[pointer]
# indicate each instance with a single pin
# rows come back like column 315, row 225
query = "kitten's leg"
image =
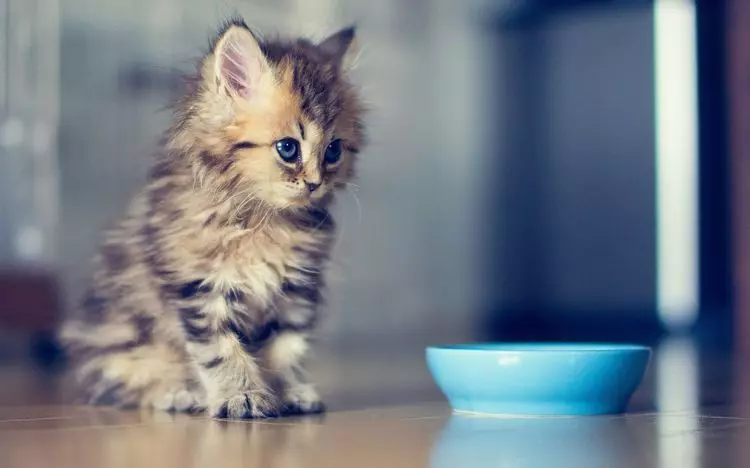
column 300, row 397
column 284, row 355
column 233, row 381
column 159, row 384
column 119, row 365
column 299, row 314
column 181, row 396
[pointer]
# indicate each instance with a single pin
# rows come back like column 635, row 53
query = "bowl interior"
column 542, row 347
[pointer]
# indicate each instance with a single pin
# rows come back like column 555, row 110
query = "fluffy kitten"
column 204, row 294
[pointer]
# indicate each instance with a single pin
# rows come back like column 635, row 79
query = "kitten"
column 204, row 294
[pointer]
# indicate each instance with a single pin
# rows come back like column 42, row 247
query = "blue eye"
column 333, row 152
column 288, row 149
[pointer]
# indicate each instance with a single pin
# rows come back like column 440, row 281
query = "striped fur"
column 204, row 294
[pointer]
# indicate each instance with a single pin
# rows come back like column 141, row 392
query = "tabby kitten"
column 204, row 294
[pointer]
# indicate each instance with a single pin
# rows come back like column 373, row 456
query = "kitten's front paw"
column 179, row 400
column 247, row 405
column 302, row 399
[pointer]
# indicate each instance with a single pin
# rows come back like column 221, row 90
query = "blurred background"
column 538, row 169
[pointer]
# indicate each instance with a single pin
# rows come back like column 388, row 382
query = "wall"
column 406, row 261
column 574, row 229
column 507, row 170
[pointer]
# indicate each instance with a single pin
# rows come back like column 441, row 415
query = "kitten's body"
column 205, row 293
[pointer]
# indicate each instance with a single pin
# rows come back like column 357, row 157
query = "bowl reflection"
column 560, row 442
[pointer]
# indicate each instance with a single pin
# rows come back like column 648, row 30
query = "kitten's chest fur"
column 260, row 265
column 263, row 270
column 250, row 269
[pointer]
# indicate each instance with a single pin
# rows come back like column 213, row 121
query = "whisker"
column 322, row 221
column 243, row 204
column 341, row 232
column 359, row 205
column 264, row 220
column 260, row 219
column 339, row 237
column 355, row 61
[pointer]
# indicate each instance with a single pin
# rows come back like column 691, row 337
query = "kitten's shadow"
column 282, row 442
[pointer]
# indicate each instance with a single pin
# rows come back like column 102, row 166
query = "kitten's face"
column 279, row 121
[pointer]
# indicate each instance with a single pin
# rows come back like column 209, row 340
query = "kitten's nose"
column 312, row 186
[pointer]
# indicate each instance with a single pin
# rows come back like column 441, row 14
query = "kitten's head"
column 275, row 120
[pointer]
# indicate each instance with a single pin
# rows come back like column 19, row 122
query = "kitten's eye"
column 333, row 152
column 288, row 149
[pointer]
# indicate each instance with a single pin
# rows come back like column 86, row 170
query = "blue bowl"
column 538, row 379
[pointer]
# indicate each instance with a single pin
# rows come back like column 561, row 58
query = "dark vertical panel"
column 713, row 166
column 739, row 101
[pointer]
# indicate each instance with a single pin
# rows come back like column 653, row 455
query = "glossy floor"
column 692, row 411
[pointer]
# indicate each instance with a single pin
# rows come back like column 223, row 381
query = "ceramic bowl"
column 538, row 378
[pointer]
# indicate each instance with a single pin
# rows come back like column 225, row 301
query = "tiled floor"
column 692, row 411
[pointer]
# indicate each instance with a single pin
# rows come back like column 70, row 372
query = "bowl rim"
column 541, row 347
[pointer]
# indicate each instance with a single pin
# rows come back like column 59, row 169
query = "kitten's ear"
column 240, row 64
column 339, row 46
